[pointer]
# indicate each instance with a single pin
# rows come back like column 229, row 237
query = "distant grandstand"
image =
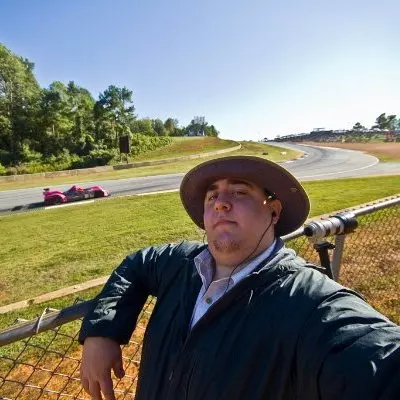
column 323, row 135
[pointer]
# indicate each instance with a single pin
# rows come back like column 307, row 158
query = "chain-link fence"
column 40, row 359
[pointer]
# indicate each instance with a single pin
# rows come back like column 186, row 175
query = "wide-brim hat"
column 264, row 173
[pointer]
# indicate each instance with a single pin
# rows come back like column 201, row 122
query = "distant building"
column 195, row 133
column 197, row 127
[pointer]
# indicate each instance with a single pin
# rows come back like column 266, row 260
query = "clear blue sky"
column 254, row 68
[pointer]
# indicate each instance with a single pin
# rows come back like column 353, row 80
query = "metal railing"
column 40, row 359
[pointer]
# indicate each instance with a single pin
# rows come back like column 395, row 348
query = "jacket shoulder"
column 189, row 249
column 184, row 249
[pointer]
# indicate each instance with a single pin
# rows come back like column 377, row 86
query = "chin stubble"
column 226, row 246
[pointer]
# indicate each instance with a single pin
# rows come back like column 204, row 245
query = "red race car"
column 75, row 193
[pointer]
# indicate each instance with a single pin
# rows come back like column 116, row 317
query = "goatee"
column 225, row 245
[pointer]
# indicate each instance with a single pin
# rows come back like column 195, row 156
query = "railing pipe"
column 51, row 319
column 48, row 320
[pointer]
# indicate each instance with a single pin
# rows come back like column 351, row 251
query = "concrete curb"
column 95, row 170
column 79, row 287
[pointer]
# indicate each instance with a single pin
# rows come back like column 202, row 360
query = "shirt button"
column 209, row 300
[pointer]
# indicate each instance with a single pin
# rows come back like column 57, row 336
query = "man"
column 242, row 317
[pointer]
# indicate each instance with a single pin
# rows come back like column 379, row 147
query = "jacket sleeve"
column 117, row 307
column 347, row 350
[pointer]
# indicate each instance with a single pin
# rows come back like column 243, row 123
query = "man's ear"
column 276, row 208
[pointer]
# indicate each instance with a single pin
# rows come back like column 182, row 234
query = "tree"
column 19, row 97
column 56, row 118
column 358, row 127
column 392, row 122
column 179, row 131
column 114, row 113
column 171, row 125
column 81, row 105
column 196, row 127
column 143, row 127
column 199, row 127
column 158, row 127
column 211, row 131
column 384, row 122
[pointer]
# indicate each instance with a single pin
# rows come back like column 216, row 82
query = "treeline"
column 63, row 126
column 386, row 128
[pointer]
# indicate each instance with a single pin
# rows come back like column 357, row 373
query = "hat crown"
column 262, row 172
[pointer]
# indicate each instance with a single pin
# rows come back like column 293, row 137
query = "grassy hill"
column 179, row 148
column 184, row 146
column 41, row 247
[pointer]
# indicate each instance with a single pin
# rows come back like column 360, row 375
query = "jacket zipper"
column 189, row 381
column 226, row 298
column 204, row 318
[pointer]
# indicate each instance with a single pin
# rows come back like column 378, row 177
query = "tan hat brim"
column 264, row 173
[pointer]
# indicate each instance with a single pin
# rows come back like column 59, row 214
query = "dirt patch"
column 53, row 375
column 47, row 368
column 385, row 150
column 371, row 260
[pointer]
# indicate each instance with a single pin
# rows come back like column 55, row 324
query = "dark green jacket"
column 284, row 332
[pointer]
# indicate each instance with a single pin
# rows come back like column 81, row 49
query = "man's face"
column 236, row 215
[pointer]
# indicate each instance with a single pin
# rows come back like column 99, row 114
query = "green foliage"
column 114, row 112
column 178, row 148
column 3, row 169
column 158, row 127
column 62, row 161
column 63, row 126
column 178, row 132
column 19, row 96
column 211, row 131
column 5, row 157
column 172, row 128
column 31, row 168
column 66, row 119
column 73, row 255
column 30, row 156
column 358, row 127
column 196, row 128
column 96, row 157
column 142, row 126
column 141, row 144
column 384, row 122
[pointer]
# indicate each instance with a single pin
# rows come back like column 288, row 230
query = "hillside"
column 386, row 152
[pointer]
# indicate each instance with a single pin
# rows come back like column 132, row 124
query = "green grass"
column 186, row 146
column 384, row 158
column 10, row 318
column 336, row 194
column 380, row 154
column 248, row 148
column 35, row 259
column 49, row 249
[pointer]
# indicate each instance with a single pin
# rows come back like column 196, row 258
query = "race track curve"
column 317, row 163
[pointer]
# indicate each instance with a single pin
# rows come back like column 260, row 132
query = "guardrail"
column 106, row 168
column 40, row 359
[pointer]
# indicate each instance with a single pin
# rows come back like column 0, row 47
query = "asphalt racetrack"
column 318, row 163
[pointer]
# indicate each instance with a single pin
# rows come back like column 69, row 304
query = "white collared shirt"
column 211, row 290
